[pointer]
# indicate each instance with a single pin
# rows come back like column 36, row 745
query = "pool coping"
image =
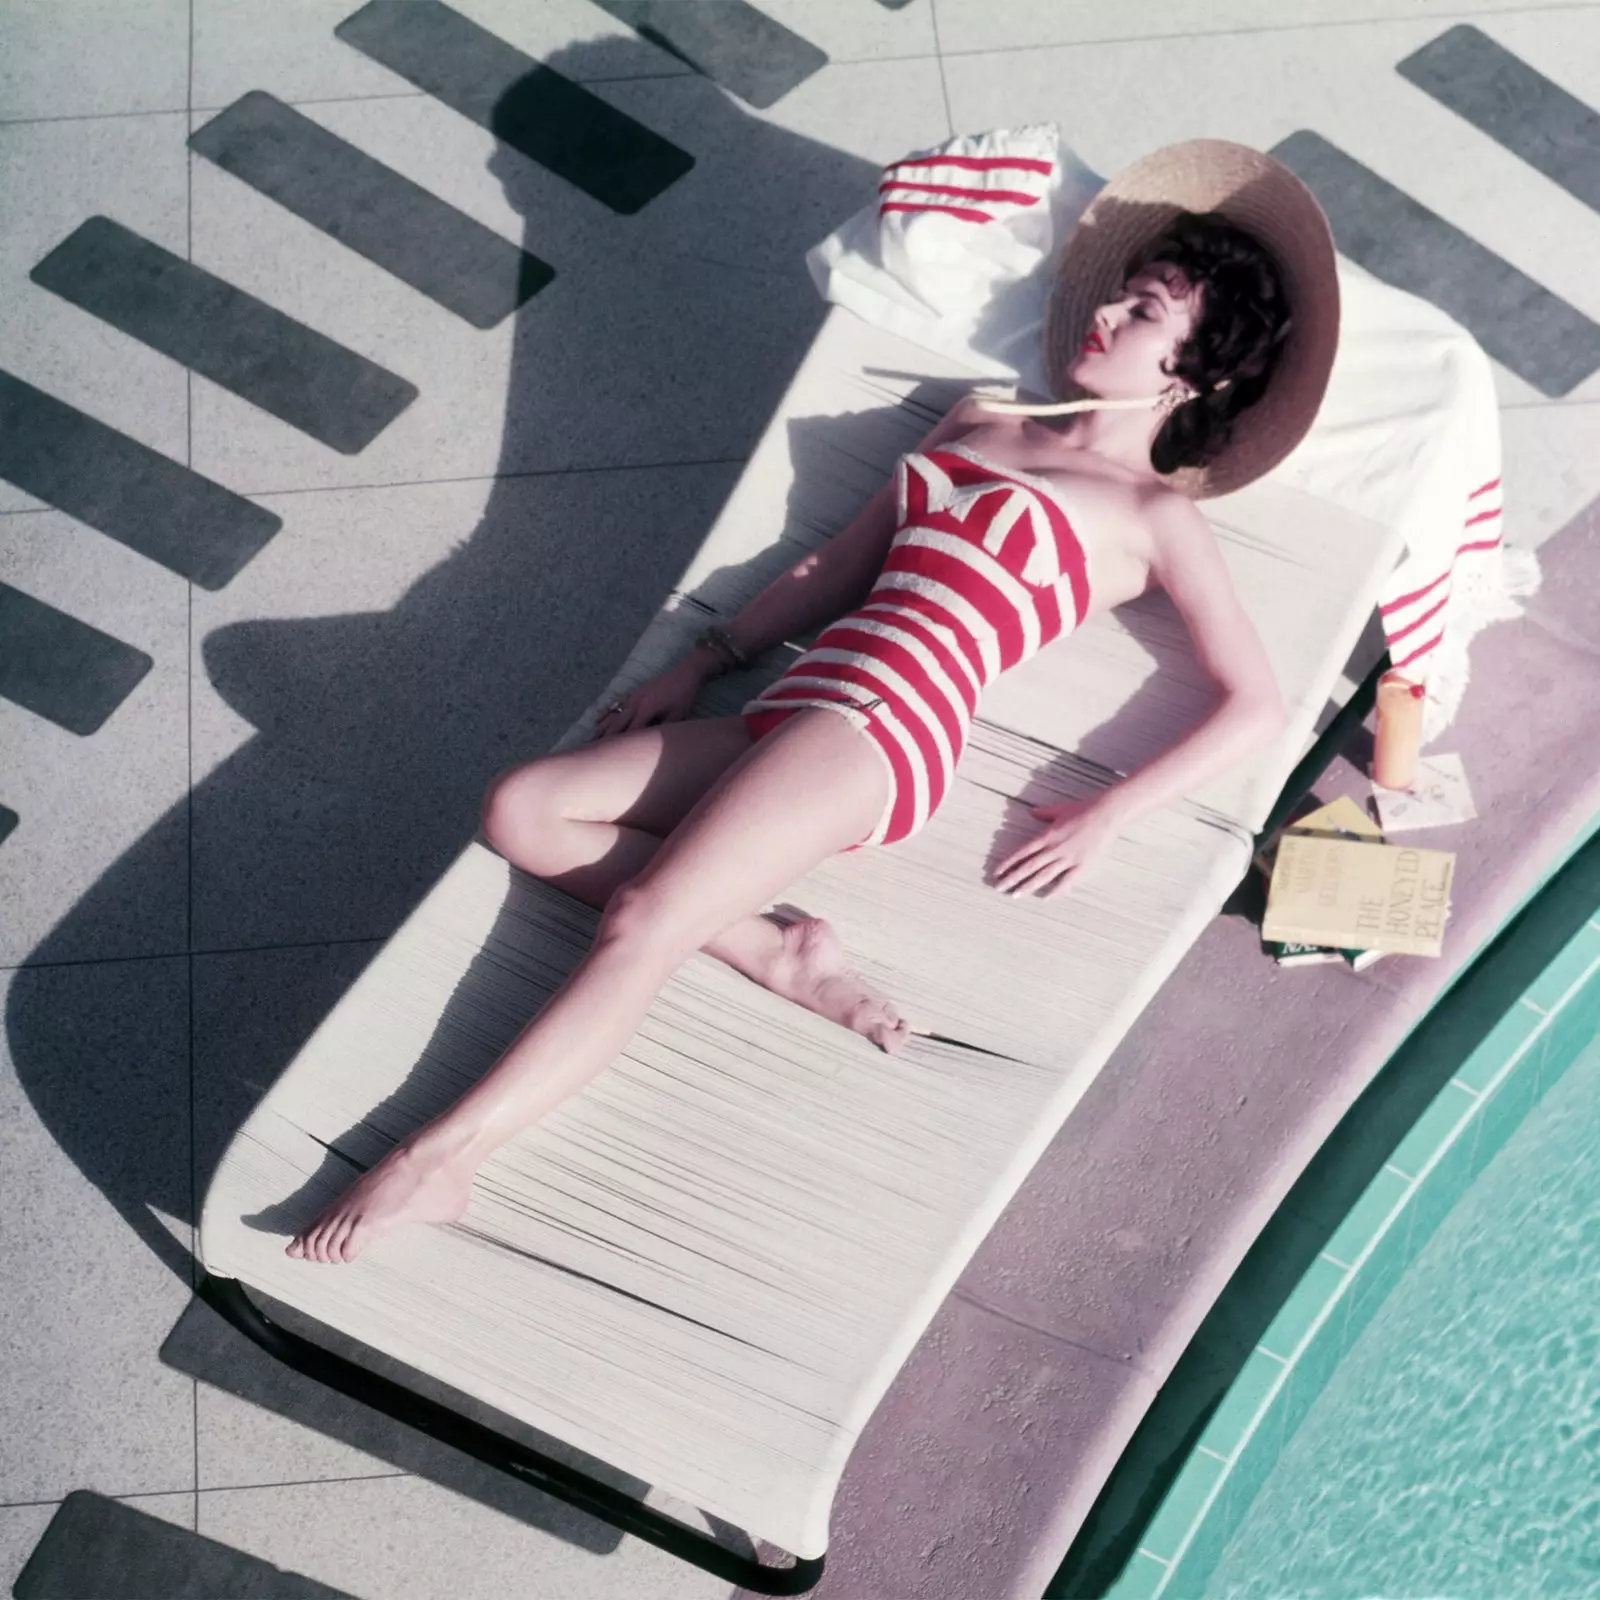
column 1541, row 1032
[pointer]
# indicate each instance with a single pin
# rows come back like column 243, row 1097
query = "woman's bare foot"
column 812, row 971
column 418, row 1181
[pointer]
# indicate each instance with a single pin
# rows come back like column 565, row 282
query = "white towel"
column 955, row 254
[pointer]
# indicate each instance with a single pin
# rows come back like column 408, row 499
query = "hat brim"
column 1255, row 193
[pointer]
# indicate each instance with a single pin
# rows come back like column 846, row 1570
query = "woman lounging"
column 1003, row 530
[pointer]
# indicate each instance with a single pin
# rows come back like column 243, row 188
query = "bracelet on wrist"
column 721, row 643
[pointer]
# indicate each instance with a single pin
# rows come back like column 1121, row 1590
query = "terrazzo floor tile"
column 94, row 1172
column 667, row 335
column 21, row 1527
column 98, row 865
column 1551, row 470
column 849, row 31
column 81, row 58
column 52, row 176
column 243, row 1445
column 394, row 649
column 408, row 1539
column 973, row 25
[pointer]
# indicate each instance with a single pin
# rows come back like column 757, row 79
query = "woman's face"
column 1132, row 339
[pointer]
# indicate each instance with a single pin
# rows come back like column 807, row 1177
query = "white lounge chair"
column 707, row 1267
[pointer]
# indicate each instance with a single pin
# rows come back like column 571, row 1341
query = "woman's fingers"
column 1032, row 882
column 1035, row 882
column 1032, row 868
column 1021, row 860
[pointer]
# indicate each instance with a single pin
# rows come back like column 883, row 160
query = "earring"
column 1171, row 399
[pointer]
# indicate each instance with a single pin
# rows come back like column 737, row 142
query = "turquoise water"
column 1455, row 1450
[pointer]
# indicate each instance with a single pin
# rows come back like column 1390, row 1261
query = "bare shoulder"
column 1178, row 530
column 1187, row 561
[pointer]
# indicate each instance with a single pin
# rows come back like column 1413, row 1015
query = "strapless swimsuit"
column 983, row 571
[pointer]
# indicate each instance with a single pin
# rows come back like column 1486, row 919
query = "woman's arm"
column 1188, row 564
column 827, row 582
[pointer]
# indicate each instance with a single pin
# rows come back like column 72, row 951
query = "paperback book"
column 1359, row 894
column 1340, row 819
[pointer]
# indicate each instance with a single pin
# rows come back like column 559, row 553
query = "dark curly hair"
column 1244, row 316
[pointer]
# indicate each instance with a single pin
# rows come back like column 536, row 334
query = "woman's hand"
column 1078, row 832
column 668, row 697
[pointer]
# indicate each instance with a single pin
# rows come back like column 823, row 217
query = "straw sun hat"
column 1256, row 193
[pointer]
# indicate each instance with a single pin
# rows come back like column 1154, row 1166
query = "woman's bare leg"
column 808, row 790
column 591, row 818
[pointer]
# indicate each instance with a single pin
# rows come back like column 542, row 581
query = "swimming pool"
column 1399, row 1393
column 1453, row 1449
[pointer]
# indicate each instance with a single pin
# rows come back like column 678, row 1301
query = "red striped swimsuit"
column 983, row 571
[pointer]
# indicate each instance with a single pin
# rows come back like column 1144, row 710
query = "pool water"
column 1455, row 1449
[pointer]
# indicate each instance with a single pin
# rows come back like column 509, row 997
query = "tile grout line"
column 470, row 477
column 220, row 950
column 188, row 926
column 218, row 1488
column 1442, row 20
column 360, row 99
column 185, row 110
column 689, row 75
column 496, row 477
column 573, row 471
column 939, row 52
column 938, row 55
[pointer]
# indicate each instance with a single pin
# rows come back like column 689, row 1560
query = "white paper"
column 1437, row 797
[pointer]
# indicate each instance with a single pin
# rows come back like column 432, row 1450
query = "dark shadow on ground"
column 378, row 732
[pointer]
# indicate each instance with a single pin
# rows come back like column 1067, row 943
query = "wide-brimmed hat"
column 1255, row 193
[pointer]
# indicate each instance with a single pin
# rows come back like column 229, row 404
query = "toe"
column 309, row 1236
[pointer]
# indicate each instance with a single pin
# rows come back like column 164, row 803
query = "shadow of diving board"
column 372, row 209
column 99, row 1549
column 134, row 494
column 303, row 377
